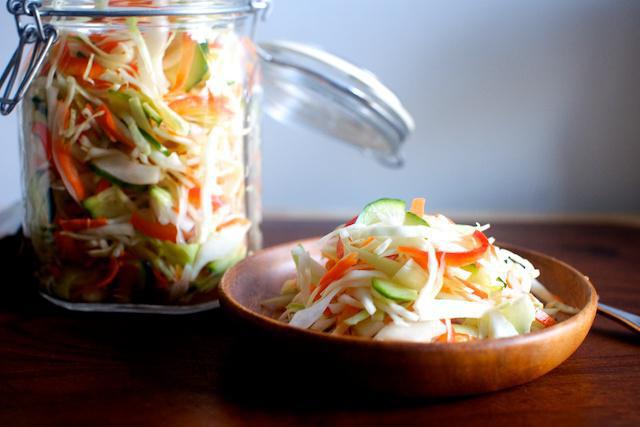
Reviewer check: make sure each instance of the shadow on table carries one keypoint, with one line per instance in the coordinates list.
(612, 329)
(261, 373)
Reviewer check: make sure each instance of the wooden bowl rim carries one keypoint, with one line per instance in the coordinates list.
(230, 304)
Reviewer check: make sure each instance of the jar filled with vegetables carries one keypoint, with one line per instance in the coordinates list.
(140, 143)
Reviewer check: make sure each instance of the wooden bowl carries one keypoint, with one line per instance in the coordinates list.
(407, 368)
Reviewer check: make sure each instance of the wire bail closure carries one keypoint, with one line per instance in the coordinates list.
(30, 32)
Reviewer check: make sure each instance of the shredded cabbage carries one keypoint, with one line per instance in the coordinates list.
(468, 288)
(154, 105)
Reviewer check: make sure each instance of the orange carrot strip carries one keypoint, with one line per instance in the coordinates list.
(476, 291)
(365, 242)
(108, 123)
(362, 267)
(418, 255)
(338, 270)
(186, 61)
(76, 67)
(65, 163)
(417, 206)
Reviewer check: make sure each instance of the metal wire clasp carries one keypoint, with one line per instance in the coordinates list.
(30, 32)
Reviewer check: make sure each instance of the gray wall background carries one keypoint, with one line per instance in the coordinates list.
(527, 107)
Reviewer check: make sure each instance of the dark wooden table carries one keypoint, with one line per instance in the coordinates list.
(74, 369)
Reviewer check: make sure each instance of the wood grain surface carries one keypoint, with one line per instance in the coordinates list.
(75, 369)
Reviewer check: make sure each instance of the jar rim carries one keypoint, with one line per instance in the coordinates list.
(103, 8)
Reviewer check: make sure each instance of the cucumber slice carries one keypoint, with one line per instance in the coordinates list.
(184, 48)
(110, 203)
(118, 102)
(151, 113)
(357, 318)
(386, 265)
(411, 275)
(393, 291)
(161, 204)
(221, 265)
(199, 68)
(138, 114)
(154, 142)
(176, 253)
(386, 211)
(115, 181)
(412, 219)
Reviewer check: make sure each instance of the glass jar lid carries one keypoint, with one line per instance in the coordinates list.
(113, 8)
(310, 87)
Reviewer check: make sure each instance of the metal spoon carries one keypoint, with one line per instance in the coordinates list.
(630, 320)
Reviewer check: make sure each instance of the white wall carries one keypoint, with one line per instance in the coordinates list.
(526, 107)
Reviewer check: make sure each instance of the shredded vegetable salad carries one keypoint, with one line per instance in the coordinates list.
(397, 274)
(135, 162)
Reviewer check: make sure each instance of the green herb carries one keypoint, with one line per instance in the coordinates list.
(504, 284)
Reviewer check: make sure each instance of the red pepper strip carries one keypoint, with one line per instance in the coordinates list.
(161, 280)
(544, 318)
(419, 256)
(42, 131)
(339, 248)
(337, 271)
(112, 272)
(467, 257)
(103, 184)
(68, 248)
(351, 221)
(109, 125)
(153, 228)
(127, 280)
(78, 224)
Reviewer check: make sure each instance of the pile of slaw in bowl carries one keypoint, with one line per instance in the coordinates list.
(397, 274)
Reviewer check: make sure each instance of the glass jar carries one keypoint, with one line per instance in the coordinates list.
(140, 141)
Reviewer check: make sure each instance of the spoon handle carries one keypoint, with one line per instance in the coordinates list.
(630, 320)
